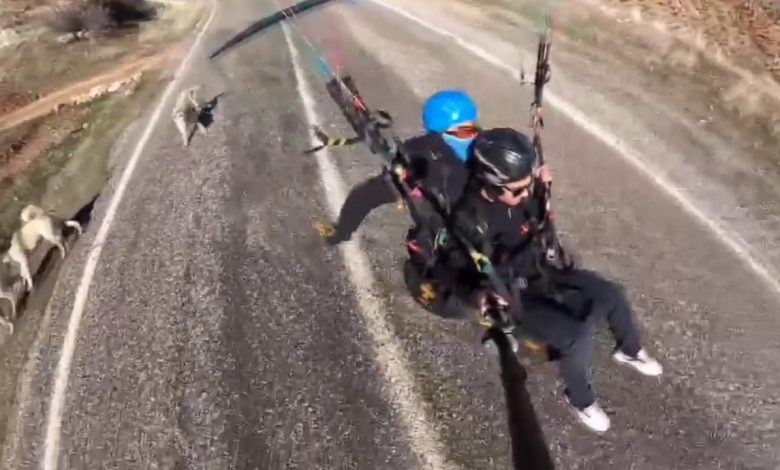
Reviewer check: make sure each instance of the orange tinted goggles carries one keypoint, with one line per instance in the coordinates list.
(464, 132)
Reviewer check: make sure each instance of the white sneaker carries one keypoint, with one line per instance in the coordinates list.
(593, 417)
(642, 362)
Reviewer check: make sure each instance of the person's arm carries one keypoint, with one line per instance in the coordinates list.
(411, 153)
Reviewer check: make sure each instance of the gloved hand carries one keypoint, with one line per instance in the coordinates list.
(486, 300)
(558, 256)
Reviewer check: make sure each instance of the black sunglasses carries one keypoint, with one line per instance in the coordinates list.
(495, 191)
(518, 191)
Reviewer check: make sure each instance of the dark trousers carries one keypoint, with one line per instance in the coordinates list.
(365, 197)
(566, 323)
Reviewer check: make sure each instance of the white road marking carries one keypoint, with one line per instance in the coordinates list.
(424, 439)
(728, 237)
(54, 420)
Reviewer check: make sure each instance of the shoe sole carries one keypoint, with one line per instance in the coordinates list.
(582, 422)
(573, 411)
(628, 363)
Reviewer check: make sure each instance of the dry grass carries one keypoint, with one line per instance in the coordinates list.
(123, 74)
(36, 68)
(21, 145)
(746, 31)
(15, 13)
(61, 161)
(37, 153)
(101, 16)
(725, 49)
(42, 65)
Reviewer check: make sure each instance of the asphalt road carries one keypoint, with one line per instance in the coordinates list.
(221, 332)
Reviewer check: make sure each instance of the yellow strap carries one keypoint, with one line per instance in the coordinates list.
(325, 229)
(533, 345)
(427, 293)
(482, 320)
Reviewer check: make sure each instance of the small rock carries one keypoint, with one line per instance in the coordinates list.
(9, 37)
(97, 91)
(67, 38)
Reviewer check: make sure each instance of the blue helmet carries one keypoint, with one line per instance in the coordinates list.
(447, 108)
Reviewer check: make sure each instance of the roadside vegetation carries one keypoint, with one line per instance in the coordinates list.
(729, 50)
(74, 74)
(68, 67)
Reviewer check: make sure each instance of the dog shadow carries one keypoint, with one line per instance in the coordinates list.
(84, 215)
(206, 116)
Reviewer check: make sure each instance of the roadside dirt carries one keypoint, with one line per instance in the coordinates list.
(11, 101)
(41, 64)
(746, 30)
(728, 49)
(64, 178)
(62, 104)
(46, 86)
(61, 160)
(20, 12)
(22, 146)
(47, 104)
(712, 55)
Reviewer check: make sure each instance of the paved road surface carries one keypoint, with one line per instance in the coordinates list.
(220, 332)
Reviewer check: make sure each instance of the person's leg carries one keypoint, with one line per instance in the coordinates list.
(546, 321)
(549, 322)
(574, 365)
(609, 300)
(364, 198)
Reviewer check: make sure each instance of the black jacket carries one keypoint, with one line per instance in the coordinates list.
(441, 179)
(508, 236)
(435, 168)
(517, 244)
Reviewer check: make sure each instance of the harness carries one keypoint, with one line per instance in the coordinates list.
(374, 129)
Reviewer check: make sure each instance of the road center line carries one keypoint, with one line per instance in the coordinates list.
(62, 374)
(423, 438)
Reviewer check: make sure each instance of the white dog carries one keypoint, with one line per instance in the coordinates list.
(186, 113)
(36, 224)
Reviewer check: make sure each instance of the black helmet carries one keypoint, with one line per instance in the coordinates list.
(502, 155)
